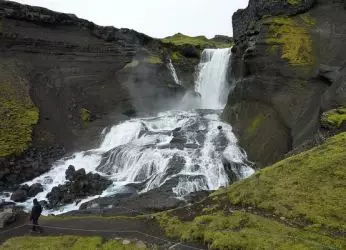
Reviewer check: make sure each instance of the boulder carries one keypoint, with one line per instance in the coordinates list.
(19, 196)
(35, 189)
(79, 185)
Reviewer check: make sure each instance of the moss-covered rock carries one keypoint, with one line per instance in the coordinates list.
(84, 115)
(292, 33)
(153, 59)
(18, 115)
(334, 119)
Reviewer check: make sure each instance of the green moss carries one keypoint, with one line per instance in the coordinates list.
(176, 56)
(257, 121)
(18, 115)
(310, 186)
(84, 115)
(243, 230)
(294, 2)
(294, 37)
(153, 59)
(64, 242)
(334, 118)
(201, 41)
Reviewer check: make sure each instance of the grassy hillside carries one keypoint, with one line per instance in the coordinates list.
(298, 203)
(198, 41)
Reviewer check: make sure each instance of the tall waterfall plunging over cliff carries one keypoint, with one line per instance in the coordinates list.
(175, 151)
(211, 83)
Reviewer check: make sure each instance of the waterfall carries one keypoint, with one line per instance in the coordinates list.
(181, 151)
(173, 72)
(212, 82)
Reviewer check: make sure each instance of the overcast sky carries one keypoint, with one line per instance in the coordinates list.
(157, 18)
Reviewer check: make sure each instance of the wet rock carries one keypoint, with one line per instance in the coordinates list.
(19, 196)
(80, 185)
(35, 189)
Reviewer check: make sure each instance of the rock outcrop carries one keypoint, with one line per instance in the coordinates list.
(79, 185)
(63, 79)
(288, 67)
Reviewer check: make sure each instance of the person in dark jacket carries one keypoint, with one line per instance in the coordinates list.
(35, 215)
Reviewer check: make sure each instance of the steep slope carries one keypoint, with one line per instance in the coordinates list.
(288, 67)
(298, 203)
(64, 79)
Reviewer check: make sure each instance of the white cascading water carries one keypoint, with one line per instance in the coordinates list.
(183, 149)
(211, 83)
(173, 72)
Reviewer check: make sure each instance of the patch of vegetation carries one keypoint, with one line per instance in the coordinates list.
(243, 230)
(294, 2)
(18, 116)
(64, 242)
(334, 119)
(298, 203)
(257, 121)
(84, 115)
(294, 37)
(153, 59)
(201, 41)
(311, 185)
(176, 56)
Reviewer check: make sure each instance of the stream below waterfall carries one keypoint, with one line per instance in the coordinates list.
(182, 150)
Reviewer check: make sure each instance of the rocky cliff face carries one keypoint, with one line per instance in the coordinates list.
(63, 79)
(289, 66)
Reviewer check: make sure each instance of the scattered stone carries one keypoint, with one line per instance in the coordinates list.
(282, 218)
(126, 242)
(141, 245)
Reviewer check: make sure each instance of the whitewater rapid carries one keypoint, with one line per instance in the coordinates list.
(184, 150)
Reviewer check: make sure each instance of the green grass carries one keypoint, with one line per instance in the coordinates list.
(153, 59)
(334, 118)
(18, 116)
(243, 230)
(308, 190)
(64, 243)
(311, 185)
(201, 41)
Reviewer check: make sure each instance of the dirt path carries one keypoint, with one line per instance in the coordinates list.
(144, 230)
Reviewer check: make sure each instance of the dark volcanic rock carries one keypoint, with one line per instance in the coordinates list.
(35, 189)
(80, 185)
(279, 94)
(19, 196)
(34, 162)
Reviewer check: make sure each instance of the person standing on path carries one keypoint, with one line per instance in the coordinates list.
(35, 215)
